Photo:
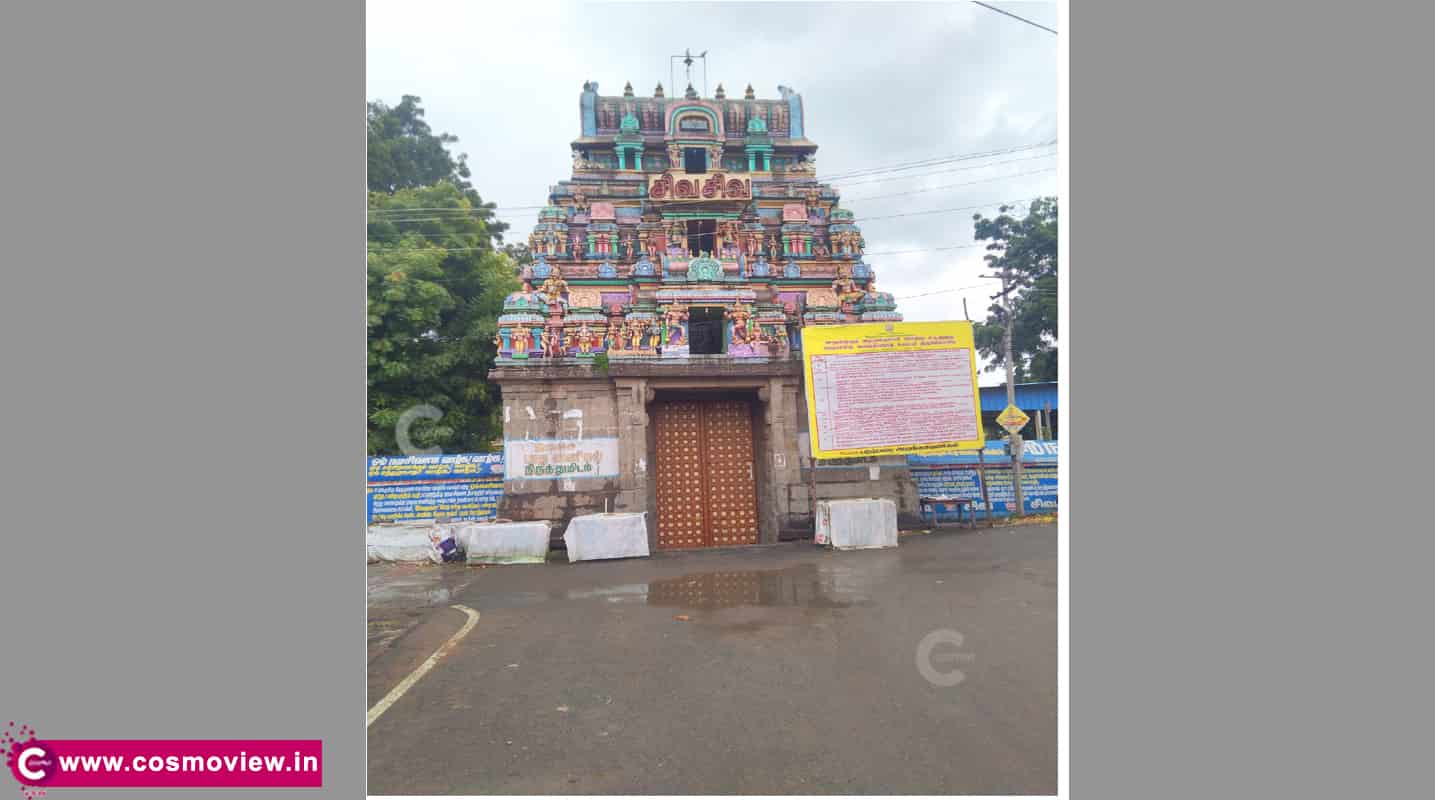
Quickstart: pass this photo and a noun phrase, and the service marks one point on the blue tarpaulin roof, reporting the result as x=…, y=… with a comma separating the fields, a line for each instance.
x=1029, y=396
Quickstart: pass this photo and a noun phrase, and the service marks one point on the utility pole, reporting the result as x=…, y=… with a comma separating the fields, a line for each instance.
x=1013, y=437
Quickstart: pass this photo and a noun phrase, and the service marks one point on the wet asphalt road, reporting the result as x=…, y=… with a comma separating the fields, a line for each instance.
x=795, y=671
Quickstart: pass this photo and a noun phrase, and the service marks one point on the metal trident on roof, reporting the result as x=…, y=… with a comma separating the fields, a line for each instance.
x=688, y=60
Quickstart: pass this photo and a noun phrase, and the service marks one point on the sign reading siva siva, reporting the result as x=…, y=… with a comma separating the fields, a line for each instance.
x=549, y=459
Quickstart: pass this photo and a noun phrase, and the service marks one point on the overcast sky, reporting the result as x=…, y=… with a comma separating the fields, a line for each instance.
x=882, y=84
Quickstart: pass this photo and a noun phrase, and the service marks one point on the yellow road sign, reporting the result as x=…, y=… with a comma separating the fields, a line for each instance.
x=1013, y=419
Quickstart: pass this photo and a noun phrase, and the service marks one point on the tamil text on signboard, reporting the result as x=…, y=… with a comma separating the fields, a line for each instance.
x=546, y=459
x=460, y=486
x=891, y=388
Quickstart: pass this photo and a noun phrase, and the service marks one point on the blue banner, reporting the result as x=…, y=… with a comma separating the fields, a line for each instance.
x=463, y=486
x=954, y=475
x=419, y=468
x=1033, y=452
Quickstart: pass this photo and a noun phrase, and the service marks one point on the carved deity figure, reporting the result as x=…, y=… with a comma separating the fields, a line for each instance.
x=554, y=287
x=772, y=247
x=627, y=243
x=845, y=288
x=675, y=316
x=552, y=342
x=655, y=334
x=522, y=340
x=635, y=335
x=585, y=339
x=740, y=316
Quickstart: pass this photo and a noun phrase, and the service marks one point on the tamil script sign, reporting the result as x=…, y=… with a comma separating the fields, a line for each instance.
x=890, y=388
x=461, y=486
x=680, y=186
x=547, y=459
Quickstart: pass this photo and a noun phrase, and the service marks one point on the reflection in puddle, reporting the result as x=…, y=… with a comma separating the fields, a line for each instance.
x=803, y=586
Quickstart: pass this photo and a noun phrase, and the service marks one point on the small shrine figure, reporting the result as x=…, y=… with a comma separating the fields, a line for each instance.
x=676, y=315
x=772, y=247
x=845, y=288
x=554, y=287
x=635, y=335
x=613, y=340
x=627, y=245
x=498, y=342
x=740, y=316
x=552, y=341
x=522, y=342
x=655, y=334
x=585, y=340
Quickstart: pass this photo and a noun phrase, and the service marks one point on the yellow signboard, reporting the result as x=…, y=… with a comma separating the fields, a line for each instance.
x=1013, y=419
x=891, y=388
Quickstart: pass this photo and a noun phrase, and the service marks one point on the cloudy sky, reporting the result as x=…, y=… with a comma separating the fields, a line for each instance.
x=882, y=84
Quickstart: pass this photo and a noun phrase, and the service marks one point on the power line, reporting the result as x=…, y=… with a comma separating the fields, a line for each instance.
x=886, y=178
x=941, y=291
x=932, y=162
x=1013, y=16
x=952, y=185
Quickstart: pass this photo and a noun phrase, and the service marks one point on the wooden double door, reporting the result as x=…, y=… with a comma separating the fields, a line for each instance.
x=707, y=495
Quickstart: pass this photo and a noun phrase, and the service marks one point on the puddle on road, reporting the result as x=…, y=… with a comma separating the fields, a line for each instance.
x=802, y=586
x=409, y=586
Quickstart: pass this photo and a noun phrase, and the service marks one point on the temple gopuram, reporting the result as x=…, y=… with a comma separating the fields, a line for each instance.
x=651, y=361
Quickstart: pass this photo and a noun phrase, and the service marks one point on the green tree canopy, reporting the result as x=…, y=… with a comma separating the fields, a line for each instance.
x=1026, y=248
x=404, y=153
x=436, y=288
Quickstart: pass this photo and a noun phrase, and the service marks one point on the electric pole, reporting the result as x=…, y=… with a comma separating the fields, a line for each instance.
x=1013, y=437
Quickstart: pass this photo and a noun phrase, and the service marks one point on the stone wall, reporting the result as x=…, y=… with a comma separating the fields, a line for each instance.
x=547, y=402
x=553, y=409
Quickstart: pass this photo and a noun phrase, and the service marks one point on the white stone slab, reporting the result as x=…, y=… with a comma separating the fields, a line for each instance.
x=404, y=542
x=504, y=542
x=598, y=536
x=858, y=524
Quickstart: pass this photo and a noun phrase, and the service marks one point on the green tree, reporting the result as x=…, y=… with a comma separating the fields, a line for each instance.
x=404, y=153
x=436, y=288
x=1027, y=248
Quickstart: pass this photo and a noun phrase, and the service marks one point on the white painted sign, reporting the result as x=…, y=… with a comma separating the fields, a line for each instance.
x=547, y=459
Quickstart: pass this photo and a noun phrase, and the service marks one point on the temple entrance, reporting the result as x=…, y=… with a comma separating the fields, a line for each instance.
x=707, y=494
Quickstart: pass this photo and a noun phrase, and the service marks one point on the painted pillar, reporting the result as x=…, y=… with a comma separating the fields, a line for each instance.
x=751, y=161
x=621, y=159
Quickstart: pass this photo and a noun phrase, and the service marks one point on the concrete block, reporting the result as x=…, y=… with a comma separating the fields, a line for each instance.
x=504, y=542
x=857, y=524
x=598, y=536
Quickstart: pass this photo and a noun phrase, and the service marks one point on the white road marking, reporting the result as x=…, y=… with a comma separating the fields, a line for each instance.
x=413, y=677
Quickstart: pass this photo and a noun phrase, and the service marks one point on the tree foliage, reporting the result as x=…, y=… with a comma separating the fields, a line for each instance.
x=1025, y=248
x=404, y=153
x=436, y=287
